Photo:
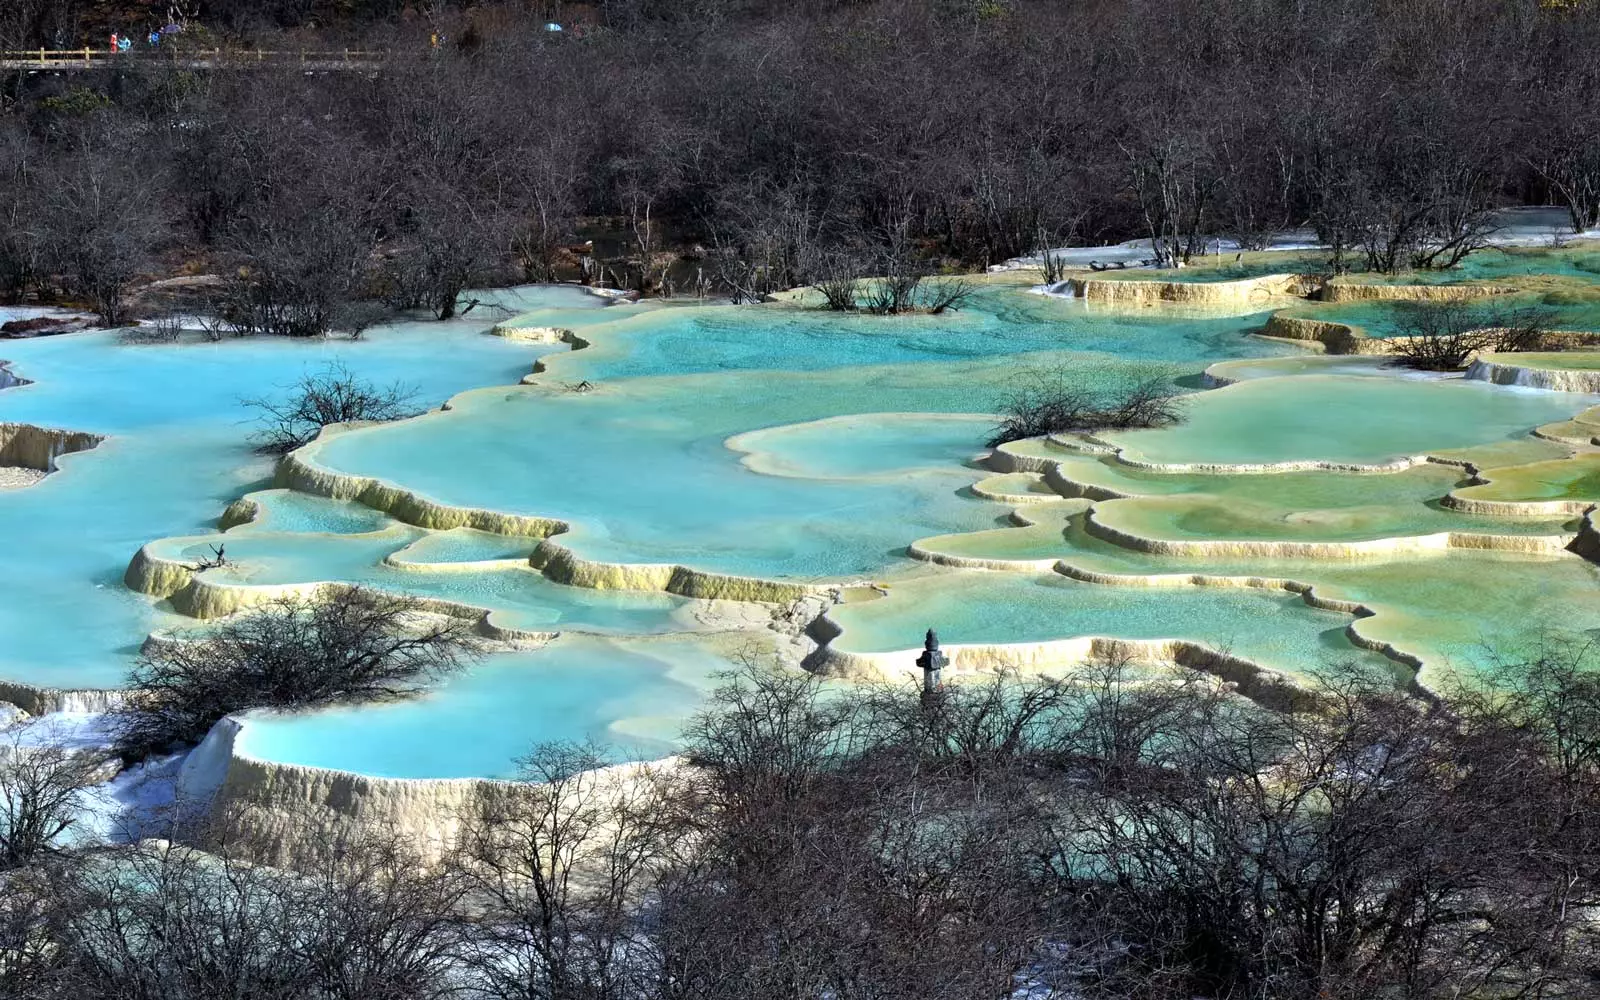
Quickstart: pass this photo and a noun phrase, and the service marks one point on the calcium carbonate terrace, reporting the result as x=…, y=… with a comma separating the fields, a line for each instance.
x=1315, y=509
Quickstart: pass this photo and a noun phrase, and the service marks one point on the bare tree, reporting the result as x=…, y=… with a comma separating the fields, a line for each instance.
x=941, y=295
x=837, y=276
x=21, y=244
x=557, y=875
x=41, y=786
x=1054, y=401
x=443, y=211
x=156, y=920
x=291, y=652
x=1446, y=336
x=99, y=223
x=1173, y=179
x=334, y=395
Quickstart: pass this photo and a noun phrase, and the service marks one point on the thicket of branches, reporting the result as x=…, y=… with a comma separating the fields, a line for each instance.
x=1447, y=336
x=1055, y=401
x=333, y=395
x=290, y=652
x=743, y=147
x=1096, y=835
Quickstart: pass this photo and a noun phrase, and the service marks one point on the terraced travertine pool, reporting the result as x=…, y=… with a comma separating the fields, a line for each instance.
x=723, y=455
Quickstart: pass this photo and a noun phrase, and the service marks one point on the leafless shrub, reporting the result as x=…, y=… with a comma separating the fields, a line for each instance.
x=332, y=396
x=839, y=280
x=557, y=876
x=1054, y=266
x=941, y=295
x=162, y=330
x=1525, y=329
x=354, y=319
x=40, y=789
x=293, y=266
x=1446, y=336
x=892, y=294
x=1054, y=401
x=161, y=920
x=291, y=652
x=100, y=222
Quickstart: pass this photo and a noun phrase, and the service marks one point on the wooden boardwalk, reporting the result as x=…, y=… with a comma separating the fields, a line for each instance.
x=83, y=60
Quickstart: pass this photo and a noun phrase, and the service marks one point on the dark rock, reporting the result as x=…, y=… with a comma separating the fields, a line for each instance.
x=40, y=326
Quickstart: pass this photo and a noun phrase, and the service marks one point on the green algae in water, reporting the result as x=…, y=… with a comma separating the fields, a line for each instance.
x=1203, y=518
x=1273, y=629
x=1576, y=478
x=1344, y=419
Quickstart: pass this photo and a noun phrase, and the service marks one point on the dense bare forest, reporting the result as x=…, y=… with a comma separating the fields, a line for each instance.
x=737, y=148
x=1086, y=837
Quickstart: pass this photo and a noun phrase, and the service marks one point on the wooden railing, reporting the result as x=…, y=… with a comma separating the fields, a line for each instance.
x=91, y=58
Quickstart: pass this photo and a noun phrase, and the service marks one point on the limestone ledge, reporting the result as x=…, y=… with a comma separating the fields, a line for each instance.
x=1258, y=683
x=1004, y=459
x=40, y=700
x=37, y=448
x=1516, y=508
x=1335, y=338
x=995, y=489
x=1582, y=430
x=1052, y=475
x=1244, y=292
x=1305, y=591
x=196, y=595
x=286, y=813
x=510, y=330
x=242, y=511
x=540, y=367
x=1259, y=291
x=1399, y=464
x=298, y=471
x=1539, y=378
x=1339, y=290
x=560, y=564
x=1069, y=487
x=1285, y=549
x=1586, y=543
